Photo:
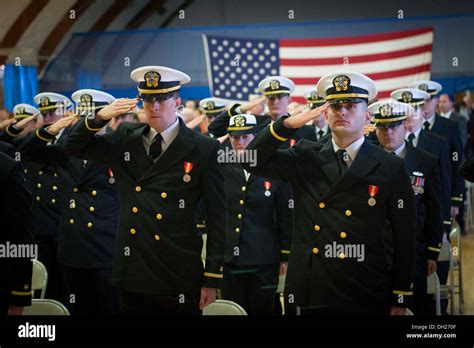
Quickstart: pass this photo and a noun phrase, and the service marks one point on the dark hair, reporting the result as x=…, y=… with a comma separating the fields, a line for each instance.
x=450, y=97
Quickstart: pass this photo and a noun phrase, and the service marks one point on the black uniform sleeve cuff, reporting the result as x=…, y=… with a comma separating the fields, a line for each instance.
x=232, y=110
x=213, y=280
x=12, y=131
x=44, y=135
x=93, y=124
x=284, y=254
x=279, y=131
x=456, y=201
x=402, y=298
x=432, y=253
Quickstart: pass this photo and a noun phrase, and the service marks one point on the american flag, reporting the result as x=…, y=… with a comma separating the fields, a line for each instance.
x=393, y=60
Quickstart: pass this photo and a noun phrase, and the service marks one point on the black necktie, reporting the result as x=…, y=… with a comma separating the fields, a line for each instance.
x=155, y=147
x=320, y=134
x=426, y=125
x=341, y=154
x=411, y=137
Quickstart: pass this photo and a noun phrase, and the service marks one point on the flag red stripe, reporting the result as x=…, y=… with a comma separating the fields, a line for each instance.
x=375, y=76
x=355, y=59
x=352, y=40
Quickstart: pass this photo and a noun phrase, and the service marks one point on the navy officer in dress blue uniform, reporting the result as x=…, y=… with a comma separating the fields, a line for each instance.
x=422, y=168
x=353, y=243
x=321, y=128
x=259, y=227
x=89, y=217
x=162, y=169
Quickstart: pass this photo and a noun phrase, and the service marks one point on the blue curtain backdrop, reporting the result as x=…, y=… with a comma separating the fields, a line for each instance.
x=20, y=85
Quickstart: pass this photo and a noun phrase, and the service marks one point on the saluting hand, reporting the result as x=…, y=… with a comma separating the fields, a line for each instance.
x=250, y=105
x=299, y=120
x=24, y=122
x=116, y=108
x=208, y=296
x=4, y=124
x=62, y=123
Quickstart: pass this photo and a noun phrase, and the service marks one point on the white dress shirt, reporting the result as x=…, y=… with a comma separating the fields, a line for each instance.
x=415, y=139
x=169, y=135
x=352, y=150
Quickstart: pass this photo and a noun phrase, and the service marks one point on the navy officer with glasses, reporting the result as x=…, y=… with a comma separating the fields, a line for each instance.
x=162, y=169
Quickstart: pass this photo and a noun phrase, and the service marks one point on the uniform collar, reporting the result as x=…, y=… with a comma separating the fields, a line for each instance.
x=352, y=150
x=169, y=134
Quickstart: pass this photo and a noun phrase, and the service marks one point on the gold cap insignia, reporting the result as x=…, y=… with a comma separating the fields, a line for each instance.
x=314, y=96
x=407, y=97
x=423, y=87
x=385, y=110
x=239, y=121
x=341, y=82
x=44, y=101
x=274, y=84
x=210, y=105
x=152, y=79
x=86, y=99
x=20, y=110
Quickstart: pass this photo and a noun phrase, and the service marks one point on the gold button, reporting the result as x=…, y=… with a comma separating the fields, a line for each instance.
x=26, y=171
x=138, y=188
x=135, y=210
x=89, y=224
x=53, y=201
x=55, y=175
x=164, y=195
x=55, y=188
x=40, y=172
x=91, y=209
x=343, y=234
x=315, y=250
x=348, y=213
x=133, y=231
x=38, y=185
x=341, y=256
x=94, y=193
x=159, y=216
x=38, y=198
x=241, y=202
x=75, y=189
x=317, y=228
x=243, y=188
x=239, y=216
x=157, y=237
x=237, y=230
x=322, y=205
x=71, y=221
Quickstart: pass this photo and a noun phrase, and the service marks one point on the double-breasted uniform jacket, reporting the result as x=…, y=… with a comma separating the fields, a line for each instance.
x=438, y=146
x=158, y=250
x=259, y=218
x=16, y=229
x=449, y=129
x=90, y=209
x=422, y=169
x=43, y=182
x=333, y=219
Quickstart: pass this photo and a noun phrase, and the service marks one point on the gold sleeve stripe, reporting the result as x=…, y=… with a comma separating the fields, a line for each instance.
x=213, y=275
x=41, y=137
x=459, y=199
x=91, y=129
x=276, y=135
x=447, y=222
x=406, y=293
x=10, y=133
x=200, y=226
x=22, y=293
x=285, y=251
x=434, y=249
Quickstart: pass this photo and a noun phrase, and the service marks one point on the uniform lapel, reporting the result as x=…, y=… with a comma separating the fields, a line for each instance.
x=179, y=148
x=238, y=171
x=363, y=164
x=140, y=163
x=424, y=142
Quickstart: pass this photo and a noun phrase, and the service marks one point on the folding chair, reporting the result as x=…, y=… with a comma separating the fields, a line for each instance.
x=447, y=290
x=224, y=307
x=45, y=307
x=434, y=288
x=39, y=279
x=455, y=237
